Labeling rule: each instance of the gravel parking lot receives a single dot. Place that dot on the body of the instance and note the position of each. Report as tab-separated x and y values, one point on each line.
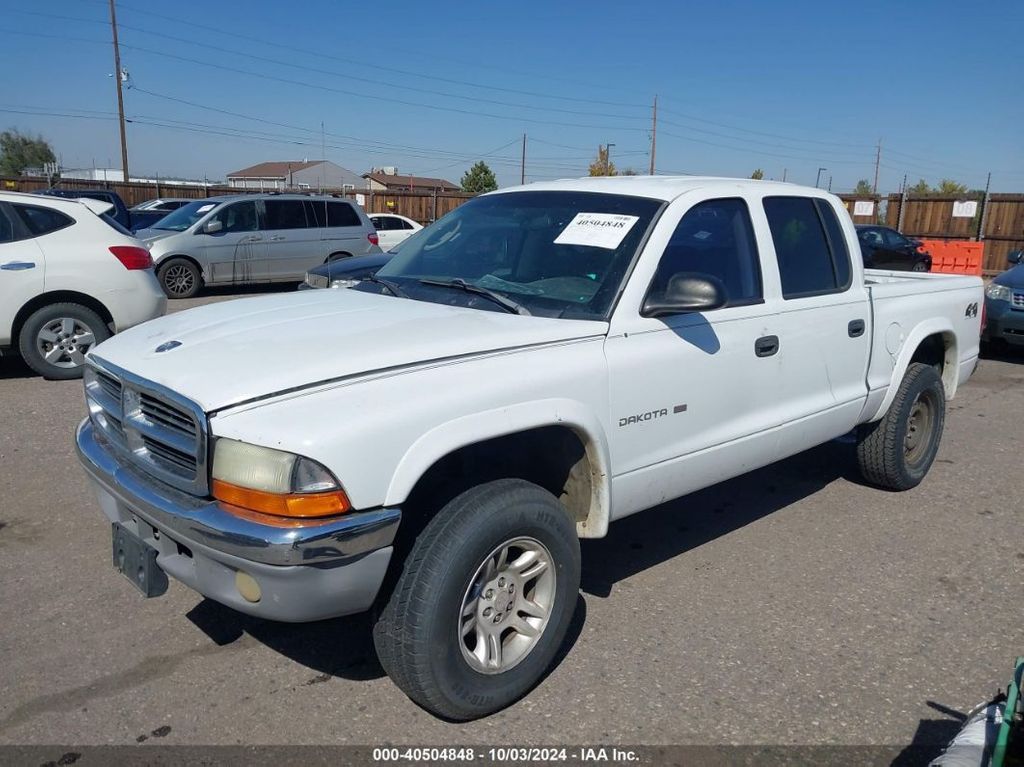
791	606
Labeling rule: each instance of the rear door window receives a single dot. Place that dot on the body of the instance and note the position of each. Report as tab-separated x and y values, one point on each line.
42	221
808	265
342	214
6	227
285	214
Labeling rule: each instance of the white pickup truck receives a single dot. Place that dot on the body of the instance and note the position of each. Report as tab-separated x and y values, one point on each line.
544	360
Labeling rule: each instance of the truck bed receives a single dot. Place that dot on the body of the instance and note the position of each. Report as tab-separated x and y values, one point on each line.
910	306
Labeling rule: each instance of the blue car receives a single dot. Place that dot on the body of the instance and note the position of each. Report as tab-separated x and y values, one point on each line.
1004	304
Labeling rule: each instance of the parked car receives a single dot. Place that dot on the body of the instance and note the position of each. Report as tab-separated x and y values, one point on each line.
885	248
1004	304
392	228
146	214
119	211
69	277
345	272
165	204
254	238
538	363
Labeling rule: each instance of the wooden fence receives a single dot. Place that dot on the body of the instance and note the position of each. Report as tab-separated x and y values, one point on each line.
423	207
998	220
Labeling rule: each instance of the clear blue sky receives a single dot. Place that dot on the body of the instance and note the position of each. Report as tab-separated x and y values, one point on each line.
431	87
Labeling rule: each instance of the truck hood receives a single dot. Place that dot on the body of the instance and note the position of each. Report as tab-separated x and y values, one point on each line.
235	351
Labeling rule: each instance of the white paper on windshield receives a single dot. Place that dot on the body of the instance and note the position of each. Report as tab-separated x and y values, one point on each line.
864	208
598	230
204	208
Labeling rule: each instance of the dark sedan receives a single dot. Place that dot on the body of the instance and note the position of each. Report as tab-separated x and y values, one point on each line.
345	272
885	248
1004	304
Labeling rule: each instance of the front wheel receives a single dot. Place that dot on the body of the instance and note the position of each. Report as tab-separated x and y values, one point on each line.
484	600
897	451
919	266
180	278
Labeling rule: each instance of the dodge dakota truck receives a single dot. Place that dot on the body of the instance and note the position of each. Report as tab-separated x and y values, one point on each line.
433	443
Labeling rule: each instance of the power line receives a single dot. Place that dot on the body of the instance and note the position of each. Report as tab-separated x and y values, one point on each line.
404	72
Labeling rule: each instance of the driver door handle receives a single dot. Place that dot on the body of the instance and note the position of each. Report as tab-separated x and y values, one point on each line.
277	238
253	238
17	266
766	346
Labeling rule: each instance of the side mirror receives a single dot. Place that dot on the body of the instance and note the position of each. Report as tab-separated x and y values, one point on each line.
1015	256
213	226
686	292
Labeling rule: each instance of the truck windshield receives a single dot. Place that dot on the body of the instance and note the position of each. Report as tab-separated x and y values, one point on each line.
185	216
558	253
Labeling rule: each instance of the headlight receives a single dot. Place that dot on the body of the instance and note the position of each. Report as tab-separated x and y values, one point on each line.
998	292
344	283
316	280
274	482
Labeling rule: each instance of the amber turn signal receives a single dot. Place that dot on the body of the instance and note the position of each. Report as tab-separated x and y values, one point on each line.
301	505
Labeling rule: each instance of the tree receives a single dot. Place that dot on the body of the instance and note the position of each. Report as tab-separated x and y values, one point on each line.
948	186
601	166
479	179
630	172
757	174
18	152
921	187
863	187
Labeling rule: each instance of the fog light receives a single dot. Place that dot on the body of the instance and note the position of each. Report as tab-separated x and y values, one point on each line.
247	587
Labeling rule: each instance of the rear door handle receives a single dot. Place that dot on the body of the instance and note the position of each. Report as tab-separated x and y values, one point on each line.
17	266
766	346
254	238
277	238
855	328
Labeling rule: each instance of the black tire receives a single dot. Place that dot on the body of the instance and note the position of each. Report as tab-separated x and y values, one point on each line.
896	452
418	637
337	257
919	266
69	348
180	278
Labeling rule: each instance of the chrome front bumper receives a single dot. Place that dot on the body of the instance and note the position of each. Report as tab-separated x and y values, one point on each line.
305	573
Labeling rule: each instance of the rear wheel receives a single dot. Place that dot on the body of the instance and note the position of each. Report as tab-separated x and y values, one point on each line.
483	602
55	339
897	451
920	266
180	278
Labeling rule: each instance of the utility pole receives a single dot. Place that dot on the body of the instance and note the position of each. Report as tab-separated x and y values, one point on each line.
120	96
323	158
784	173
608	159
830	182
522	166
903	205
878	160
654	131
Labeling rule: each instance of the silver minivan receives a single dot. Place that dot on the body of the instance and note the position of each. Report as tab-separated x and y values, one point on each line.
254	238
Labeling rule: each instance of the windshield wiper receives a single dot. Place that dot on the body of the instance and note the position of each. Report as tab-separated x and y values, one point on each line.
390	286
460	284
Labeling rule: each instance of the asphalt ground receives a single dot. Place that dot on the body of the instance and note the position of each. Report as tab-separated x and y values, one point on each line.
791	606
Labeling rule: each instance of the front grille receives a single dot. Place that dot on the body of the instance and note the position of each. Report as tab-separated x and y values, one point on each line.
1018	300
153	428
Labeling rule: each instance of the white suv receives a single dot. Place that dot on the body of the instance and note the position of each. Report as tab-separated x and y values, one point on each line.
69	277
